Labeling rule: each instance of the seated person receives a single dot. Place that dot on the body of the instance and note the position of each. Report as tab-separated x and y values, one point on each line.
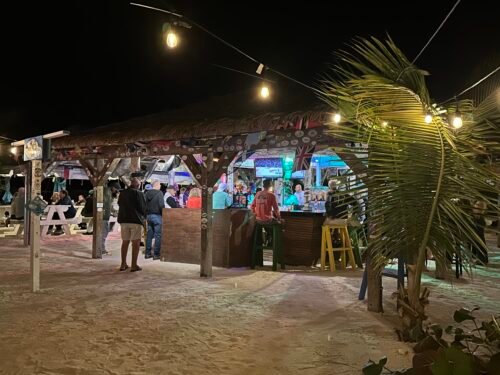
265	206
64	200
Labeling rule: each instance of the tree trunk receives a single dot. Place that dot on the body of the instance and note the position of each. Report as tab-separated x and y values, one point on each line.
374	286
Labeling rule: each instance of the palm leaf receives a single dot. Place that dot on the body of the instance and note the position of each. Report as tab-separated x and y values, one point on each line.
421	178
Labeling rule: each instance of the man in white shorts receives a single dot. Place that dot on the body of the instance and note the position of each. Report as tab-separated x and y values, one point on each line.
131	216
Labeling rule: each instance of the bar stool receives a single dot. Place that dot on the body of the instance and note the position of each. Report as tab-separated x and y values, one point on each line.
327	247
258	247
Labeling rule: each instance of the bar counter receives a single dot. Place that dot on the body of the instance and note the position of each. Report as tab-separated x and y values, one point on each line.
302	237
233	237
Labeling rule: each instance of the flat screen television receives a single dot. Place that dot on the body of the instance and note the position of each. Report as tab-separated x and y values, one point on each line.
268	168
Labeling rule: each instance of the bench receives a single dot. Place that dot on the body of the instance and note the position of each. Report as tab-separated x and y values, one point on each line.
398	274
68	224
15	229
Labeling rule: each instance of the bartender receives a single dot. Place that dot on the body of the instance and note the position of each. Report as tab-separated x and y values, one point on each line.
299	194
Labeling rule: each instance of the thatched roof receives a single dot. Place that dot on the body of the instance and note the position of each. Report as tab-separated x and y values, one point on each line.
228	115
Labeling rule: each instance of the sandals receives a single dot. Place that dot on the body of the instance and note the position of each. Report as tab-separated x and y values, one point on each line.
136	269
123	268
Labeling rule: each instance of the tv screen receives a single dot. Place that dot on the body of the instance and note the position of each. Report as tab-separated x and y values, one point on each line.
268	168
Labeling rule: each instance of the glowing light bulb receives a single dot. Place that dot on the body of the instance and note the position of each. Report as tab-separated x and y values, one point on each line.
384	124
13	150
264	92
172	39
457	121
336	118
428	118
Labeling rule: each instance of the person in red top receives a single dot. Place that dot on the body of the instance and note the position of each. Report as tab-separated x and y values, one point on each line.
265	206
194	200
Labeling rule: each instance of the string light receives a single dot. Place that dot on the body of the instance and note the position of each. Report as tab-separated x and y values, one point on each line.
457	120
172	39
337	118
428	118
265	92
384	124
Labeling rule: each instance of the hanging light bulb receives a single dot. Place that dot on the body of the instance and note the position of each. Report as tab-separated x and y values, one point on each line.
457	120
428	118
264	92
336	118
172	39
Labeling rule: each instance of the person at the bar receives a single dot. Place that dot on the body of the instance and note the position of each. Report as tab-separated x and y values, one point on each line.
265	206
240	196
299	194
221	199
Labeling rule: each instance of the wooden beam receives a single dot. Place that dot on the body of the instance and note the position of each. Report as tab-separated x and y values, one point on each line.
90	169
221	166
49	167
206	219
194	168
108	168
151	169
36	187
280	138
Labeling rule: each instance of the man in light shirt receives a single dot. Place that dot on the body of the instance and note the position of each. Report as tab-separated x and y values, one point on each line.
299	194
221	199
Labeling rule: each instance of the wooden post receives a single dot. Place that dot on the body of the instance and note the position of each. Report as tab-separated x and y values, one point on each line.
206	218
27	213
98	173
98	224
36	186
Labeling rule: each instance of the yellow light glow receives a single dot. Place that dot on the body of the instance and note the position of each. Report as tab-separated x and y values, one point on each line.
172	39
457	122
384	124
337	118
13	150
428	119
264	92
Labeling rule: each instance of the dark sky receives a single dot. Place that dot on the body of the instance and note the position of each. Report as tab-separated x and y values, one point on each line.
79	64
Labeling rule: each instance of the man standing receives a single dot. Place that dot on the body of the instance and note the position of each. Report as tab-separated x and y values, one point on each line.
169	198
221	199
265	206
131	217
299	194
154	207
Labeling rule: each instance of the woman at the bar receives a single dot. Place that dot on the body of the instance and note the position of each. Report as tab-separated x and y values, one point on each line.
194	200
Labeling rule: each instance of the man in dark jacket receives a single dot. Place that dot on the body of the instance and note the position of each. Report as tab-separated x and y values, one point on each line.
154	207
131	217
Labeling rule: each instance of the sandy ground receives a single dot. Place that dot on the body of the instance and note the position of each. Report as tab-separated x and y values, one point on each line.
90	318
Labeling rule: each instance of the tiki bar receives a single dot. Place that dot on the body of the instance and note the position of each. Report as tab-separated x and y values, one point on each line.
209	147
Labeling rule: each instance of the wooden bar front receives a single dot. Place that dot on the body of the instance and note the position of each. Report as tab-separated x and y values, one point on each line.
232	236
302	237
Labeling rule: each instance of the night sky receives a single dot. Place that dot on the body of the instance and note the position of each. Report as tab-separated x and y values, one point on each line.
80	64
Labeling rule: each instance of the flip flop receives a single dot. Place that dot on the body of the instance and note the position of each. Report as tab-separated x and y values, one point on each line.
123	268
136	269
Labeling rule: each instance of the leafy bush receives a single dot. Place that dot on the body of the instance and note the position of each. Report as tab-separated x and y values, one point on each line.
452	350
